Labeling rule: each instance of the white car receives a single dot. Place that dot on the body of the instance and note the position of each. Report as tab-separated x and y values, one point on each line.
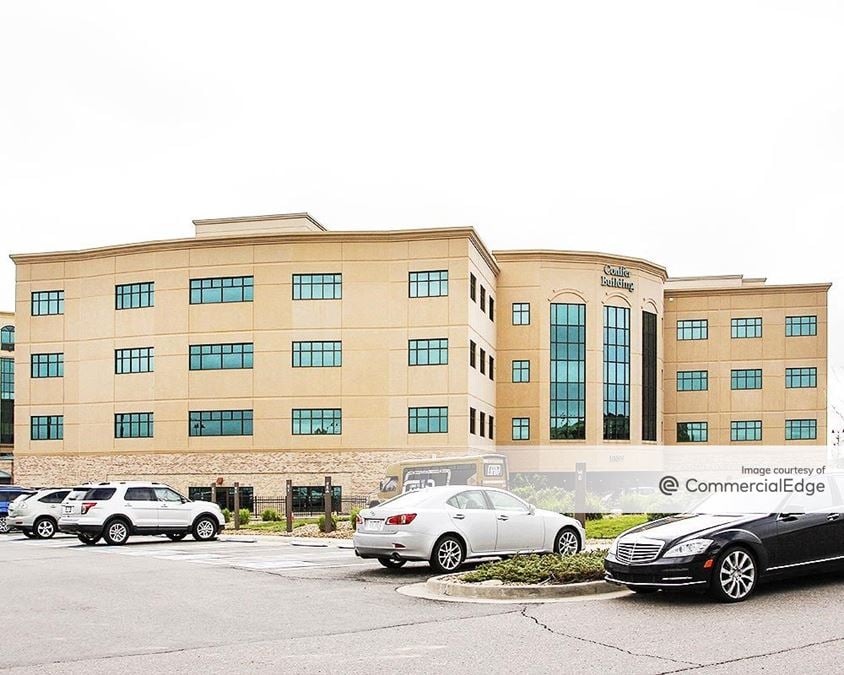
449	525
116	510
37	515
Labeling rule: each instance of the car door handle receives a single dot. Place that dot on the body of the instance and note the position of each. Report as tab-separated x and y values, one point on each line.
833	516
458	516
503	517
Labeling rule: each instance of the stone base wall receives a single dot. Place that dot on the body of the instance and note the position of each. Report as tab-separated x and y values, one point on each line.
358	473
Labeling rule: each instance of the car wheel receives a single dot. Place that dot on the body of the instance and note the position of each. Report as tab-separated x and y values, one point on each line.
567	542
448	554
734	576
4	526
391	563
176	536
116	533
643	590
44	528
28	533
205	529
88	539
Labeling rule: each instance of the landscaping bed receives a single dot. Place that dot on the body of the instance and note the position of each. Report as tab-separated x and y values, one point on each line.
541	569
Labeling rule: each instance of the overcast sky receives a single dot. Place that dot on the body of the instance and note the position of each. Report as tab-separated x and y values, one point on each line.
705	136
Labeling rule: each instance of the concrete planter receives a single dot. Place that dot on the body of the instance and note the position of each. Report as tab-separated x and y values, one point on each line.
448	586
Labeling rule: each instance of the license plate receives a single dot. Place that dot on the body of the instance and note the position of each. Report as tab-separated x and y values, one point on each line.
374	525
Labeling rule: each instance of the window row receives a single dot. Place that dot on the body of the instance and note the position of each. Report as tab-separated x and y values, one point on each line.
305	422
211	290
478	358
239	355
751	327
795	378
481	424
481	298
747	430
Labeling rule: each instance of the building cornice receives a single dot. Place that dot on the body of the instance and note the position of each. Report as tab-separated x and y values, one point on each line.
545	255
262	239
749	290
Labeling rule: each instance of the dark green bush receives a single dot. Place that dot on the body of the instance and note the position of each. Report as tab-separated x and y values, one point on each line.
537	569
227	515
245	515
270	516
321	523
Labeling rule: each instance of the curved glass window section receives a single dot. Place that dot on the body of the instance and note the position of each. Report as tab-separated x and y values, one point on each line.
568	371
616	373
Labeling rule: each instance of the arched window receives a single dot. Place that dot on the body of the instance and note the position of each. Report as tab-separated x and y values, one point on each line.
7	338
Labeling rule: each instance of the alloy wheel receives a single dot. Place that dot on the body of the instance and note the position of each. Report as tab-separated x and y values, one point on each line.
449	555
205	529
45	529
117	532
568	543
737	574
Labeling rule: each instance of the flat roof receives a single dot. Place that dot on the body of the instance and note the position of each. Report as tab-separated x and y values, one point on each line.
259	238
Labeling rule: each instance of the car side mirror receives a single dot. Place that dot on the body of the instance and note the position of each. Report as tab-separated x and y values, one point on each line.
531	509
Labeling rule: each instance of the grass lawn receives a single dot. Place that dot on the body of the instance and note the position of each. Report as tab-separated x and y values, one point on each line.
610	527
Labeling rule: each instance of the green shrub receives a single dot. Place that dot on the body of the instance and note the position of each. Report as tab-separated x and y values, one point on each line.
270	516
321	523
245	515
353	517
537	569
227	515
657	516
535	490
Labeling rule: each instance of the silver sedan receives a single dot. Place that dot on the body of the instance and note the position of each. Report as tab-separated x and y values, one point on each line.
449	525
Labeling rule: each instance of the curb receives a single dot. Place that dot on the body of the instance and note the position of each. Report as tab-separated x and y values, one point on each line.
444	585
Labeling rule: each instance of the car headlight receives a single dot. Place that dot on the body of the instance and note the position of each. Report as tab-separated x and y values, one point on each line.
691	547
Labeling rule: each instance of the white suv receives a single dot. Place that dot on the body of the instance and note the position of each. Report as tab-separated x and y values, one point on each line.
37	515
116	510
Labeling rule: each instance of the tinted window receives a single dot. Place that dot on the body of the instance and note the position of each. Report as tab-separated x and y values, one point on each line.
504	502
54	497
99	494
471	499
140	494
167	495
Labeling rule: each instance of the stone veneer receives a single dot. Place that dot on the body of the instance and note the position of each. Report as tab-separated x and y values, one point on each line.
358	473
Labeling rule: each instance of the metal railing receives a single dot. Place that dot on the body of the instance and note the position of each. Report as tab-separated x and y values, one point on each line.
306	507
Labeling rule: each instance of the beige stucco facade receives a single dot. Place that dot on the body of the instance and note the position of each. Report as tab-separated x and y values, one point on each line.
719	300
375	387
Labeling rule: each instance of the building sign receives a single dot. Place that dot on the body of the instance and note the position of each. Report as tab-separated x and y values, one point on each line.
616	276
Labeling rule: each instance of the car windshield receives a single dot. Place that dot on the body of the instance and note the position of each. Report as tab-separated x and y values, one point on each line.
77	493
407	499
737	505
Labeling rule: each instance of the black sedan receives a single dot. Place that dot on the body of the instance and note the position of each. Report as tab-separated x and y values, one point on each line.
729	553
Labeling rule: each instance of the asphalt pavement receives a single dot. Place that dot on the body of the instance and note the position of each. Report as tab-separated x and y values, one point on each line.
264	605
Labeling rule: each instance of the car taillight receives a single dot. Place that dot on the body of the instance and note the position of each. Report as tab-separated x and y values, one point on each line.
358	520
403	519
86	506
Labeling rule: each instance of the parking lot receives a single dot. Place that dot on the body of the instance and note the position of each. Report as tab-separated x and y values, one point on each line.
265	605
